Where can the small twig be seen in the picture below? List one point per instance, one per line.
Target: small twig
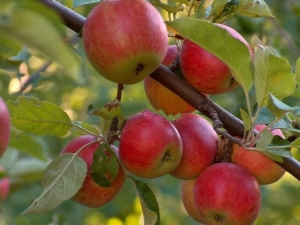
(119, 93)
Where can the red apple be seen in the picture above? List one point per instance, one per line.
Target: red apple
(150, 145)
(4, 186)
(161, 97)
(91, 194)
(262, 167)
(199, 145)
(226, 193)
(125, 41)
(205, 71)
(4, 127)
(187, 196)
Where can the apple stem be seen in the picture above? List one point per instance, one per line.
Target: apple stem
(119, 93)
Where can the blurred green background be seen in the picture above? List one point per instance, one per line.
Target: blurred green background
(281, 204)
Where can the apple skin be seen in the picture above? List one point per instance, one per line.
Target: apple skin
(204, 71)
(4, 127)
(91, 194)
(150, 145)
(265, 170)
(160, 97)
(187, 196)
(199, 145)
(4, 186)
(125, 42)
(226, 193)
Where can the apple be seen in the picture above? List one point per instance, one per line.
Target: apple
(226, 193)
(4, 185)
(91, 194)
(150, 145)
(161, 97)
(261, 166)
(199, 145)
(125, 42)
(205, 71)
(4, 127)
(187, 196)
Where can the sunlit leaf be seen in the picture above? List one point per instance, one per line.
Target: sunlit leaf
(254, 8)
(82, 128)
(39, 117)
(62, 179)
(222, 10)
(272, 74)
(297, 72)
(105, 165)
(38, 27)
(148, 202)
(230, 50)
(167, 7)
(264, 140)
(246, 119)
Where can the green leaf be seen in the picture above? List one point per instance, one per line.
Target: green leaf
(28, 144)
(62, 179)
(77, 3)
(81, 128)
(93, 110)
(264, 140)
(222, 10)
(105, 165)
(272, 74)
(67, 3)
(9, 65)
(277, 107)
(183, 1)
(272, 156)
(148, 202)
(38, 27)
(264, 116)
(254, 8)
(31, 115)
(246, 119)
(296, 143)
(167, 7)
(297, 72)
(231, 51)
(9, 47)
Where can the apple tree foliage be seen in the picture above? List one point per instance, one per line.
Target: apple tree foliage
(53, 95)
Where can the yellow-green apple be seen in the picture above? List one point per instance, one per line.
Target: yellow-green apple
(199, 145)
(92, 194)
(205, 71)
(4, 185)
(262, 167)
(226, 193)
(125, 41)
(4, 127)
(150, 145)
(187, 196)
(161, 97)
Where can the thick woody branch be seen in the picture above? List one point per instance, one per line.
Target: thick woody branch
(221, 117)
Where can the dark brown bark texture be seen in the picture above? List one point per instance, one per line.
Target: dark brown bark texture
(220, 117)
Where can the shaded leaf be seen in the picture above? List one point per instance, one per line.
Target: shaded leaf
(264, 116)
(9, 47)
(226, 48)
(254, 8)
(222, 10)
(38, 27)
(297, 72)
(148, 202)
(77, 3)
(28, 144)
(272, 74)
(105, 165)
(277, 107)
(39, 117)
(167, 7)
(62, 179)
(9, 65)
(246, 119)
